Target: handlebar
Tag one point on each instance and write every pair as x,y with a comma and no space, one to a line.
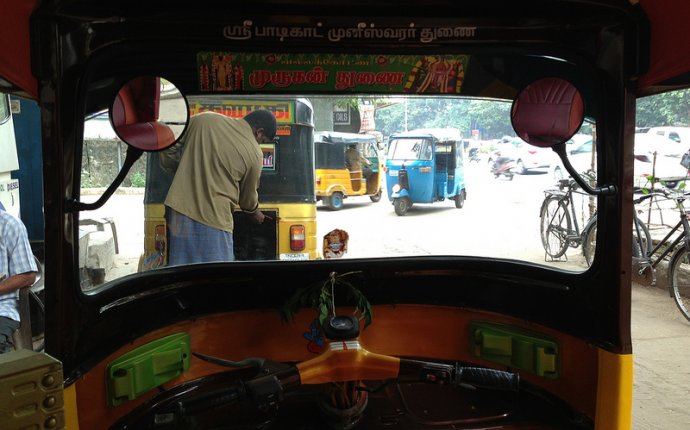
351,362
679,196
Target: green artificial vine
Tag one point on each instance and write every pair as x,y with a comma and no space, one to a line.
321,297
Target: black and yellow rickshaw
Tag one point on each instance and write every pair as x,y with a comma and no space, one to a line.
443,324
336,178
286,194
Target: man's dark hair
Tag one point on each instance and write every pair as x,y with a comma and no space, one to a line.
262,119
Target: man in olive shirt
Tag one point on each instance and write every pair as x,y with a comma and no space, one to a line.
218,173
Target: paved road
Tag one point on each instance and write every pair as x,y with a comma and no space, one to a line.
661,344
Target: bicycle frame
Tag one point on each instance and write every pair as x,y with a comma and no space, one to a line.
574,235
647,260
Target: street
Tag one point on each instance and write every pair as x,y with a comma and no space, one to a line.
661,340
661,398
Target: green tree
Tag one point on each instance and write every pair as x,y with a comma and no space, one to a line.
672,108
491,117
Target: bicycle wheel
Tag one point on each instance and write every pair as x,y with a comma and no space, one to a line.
642,245
589,240
679,277
555,226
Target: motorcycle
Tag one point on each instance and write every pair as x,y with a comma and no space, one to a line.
503,166
474,155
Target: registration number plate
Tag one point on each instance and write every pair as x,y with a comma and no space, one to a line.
393,172
297,256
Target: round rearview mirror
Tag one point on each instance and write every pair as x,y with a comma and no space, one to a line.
149,113
547,112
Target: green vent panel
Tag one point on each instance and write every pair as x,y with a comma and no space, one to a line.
515,347
147,367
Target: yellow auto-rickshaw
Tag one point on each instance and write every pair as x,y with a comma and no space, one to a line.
336,179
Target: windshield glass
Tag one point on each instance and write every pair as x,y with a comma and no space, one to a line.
495,217
409,149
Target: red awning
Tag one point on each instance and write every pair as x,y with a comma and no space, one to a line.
15,52
669,57
670,42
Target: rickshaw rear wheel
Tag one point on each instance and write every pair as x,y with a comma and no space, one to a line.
376,197
335,202
460,199
401,205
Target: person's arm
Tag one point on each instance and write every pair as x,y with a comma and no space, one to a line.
170,158
16,282
249,195
21,261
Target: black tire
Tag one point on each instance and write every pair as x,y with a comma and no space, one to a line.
589,240
641,248
401,205
376,197
335,202
679,280
555,226
460,199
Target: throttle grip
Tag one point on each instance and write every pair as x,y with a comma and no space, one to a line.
487,378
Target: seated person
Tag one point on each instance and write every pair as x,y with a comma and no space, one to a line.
355,161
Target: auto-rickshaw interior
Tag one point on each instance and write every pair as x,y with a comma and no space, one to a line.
312,377
431,302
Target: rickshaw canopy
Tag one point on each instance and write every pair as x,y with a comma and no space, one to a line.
668,50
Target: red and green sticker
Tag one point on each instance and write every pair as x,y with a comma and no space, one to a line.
270,72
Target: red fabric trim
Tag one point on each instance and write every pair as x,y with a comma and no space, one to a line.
15,52
670,45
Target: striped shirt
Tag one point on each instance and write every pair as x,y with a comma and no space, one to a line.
16,258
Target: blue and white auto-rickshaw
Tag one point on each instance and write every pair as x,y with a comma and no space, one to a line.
425,166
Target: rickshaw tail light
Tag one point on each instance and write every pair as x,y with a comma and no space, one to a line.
385,169
297,239
318,180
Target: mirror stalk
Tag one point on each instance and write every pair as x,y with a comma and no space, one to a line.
605,190
133,154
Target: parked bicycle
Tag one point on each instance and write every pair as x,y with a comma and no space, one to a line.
559,225
560,228
679,249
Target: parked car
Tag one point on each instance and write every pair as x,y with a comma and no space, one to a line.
526,156
665,167
660,156
679,135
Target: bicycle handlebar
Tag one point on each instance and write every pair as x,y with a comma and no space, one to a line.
677,195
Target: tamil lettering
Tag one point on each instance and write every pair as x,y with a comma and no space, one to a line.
430,34
238,32
285,78
361,31
281,33
345,80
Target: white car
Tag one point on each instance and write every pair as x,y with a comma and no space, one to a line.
679,135
658,156
526,156
654,155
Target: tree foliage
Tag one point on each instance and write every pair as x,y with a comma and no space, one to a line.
491,118
672,108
